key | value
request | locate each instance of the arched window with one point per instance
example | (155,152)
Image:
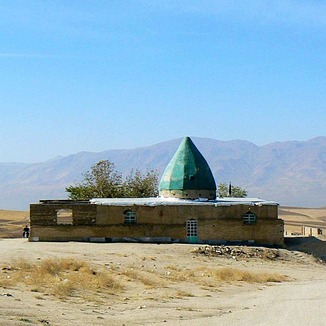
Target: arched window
(249,218)
(64,217)
(130,217)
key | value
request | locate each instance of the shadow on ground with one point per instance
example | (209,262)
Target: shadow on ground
(310,245)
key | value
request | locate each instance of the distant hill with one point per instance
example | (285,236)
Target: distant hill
(292,173)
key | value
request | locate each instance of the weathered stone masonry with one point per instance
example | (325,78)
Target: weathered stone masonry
(161,222)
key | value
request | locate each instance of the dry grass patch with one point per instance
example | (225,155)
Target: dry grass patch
(230,275)
(211,277)
(181,294)
(67,278)
(179,274)
(149,278)
(62,278)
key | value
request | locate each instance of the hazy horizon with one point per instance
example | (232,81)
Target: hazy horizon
(149,145)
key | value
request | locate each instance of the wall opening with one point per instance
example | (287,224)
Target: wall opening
(249,218)
(64,217)
(192,230)
(130,217)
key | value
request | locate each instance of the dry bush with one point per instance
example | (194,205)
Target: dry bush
(181,294)
(60,277)
(55,267)
(148,278)
(66,278)
(210,277)
(172,267)
(179,274)
(228,274)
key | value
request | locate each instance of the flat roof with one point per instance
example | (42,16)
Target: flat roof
(162,201)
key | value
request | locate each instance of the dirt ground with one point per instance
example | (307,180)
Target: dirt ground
(158,287)
(299,300)
(12,223)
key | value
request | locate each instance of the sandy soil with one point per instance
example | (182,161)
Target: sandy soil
(12,223)
(298,301)
(310,216)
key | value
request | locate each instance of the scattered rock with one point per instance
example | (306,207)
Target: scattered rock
(7,295)
(7,268)
(235,252)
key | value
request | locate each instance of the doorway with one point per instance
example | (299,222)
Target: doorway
(192,231)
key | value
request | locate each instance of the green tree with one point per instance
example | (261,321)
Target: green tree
(223,190)
(139,185)
(103,181)
(80,192)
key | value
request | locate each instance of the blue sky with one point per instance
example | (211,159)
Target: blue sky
(92,75)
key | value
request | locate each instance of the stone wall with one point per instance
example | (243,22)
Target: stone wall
(110,215)
(45,214)
(215,223)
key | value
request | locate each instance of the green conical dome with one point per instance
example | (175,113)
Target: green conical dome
(188,174)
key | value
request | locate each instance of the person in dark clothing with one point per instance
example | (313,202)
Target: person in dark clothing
(26,232)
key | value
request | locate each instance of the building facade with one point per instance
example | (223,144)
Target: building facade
(186,211)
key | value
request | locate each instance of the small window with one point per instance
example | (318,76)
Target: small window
(192,228)
(130,217)
(64,217)
(249,218)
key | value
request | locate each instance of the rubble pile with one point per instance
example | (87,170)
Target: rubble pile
(238,252)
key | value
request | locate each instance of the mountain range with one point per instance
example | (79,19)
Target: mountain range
(292,173)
